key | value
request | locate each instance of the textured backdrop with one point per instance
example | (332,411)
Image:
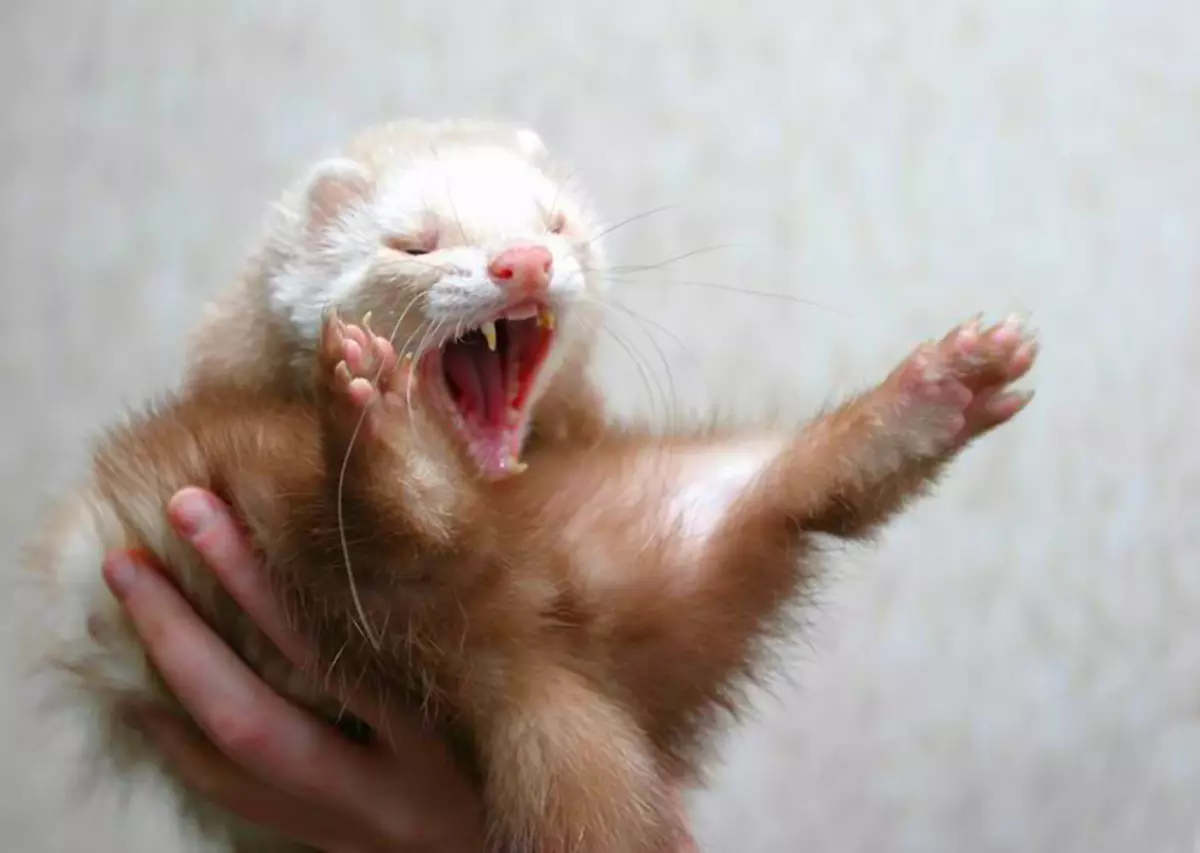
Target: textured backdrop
(1017,666)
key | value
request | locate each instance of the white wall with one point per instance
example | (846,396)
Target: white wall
(1016,667)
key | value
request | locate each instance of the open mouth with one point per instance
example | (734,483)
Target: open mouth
(486,376)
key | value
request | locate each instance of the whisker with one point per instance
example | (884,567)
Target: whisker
(400,321)
(729,288)
(421,328)
(365,625)
(340,499)
(603,303)
(635,357)
(704,250)
(630,220)
(671,400)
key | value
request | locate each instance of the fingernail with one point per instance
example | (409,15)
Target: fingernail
(193,512)
(121,571)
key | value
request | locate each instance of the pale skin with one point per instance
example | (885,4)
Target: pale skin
(262,757)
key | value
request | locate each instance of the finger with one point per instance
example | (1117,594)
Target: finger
(355,360)
(213,776)
(246,720)
(206,522)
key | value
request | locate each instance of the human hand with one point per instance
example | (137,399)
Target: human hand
(263,758)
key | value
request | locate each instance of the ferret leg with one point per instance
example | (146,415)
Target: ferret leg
(363,386)
(372,440)
(854,468)
(846,474)
(567,769)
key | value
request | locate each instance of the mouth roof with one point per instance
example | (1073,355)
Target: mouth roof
(487,374)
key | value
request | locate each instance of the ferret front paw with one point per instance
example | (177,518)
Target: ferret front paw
(951,391)
(361,373)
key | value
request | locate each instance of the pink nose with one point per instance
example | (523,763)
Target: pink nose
(523,267)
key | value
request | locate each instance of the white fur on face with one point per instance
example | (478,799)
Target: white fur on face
(477,201)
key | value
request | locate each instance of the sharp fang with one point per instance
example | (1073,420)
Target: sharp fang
(489,332)
(546,319)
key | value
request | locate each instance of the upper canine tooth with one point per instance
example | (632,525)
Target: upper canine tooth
(546,319)
(489,332)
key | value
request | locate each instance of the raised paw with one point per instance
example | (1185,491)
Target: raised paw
(360,370)
(956,389)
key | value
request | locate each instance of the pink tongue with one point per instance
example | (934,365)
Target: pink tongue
(476,371)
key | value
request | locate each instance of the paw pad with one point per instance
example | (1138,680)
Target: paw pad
(363,365)
(961,383)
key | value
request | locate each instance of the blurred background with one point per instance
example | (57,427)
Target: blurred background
(1016,666)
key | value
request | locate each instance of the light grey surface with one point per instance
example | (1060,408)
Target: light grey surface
(1017,667)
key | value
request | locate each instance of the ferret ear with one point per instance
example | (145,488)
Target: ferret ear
(333,187)
(530,144)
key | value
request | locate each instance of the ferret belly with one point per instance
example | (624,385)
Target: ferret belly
(657,508)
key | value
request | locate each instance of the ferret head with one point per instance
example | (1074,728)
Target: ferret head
(456,236)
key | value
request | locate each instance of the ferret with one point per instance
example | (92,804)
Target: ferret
(349,234)
(445,510)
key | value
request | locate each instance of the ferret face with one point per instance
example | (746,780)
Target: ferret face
(484,266)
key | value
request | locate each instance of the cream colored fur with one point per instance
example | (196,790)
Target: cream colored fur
(1016,669)
(488,179)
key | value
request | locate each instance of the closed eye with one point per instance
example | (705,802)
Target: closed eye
(421,244)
